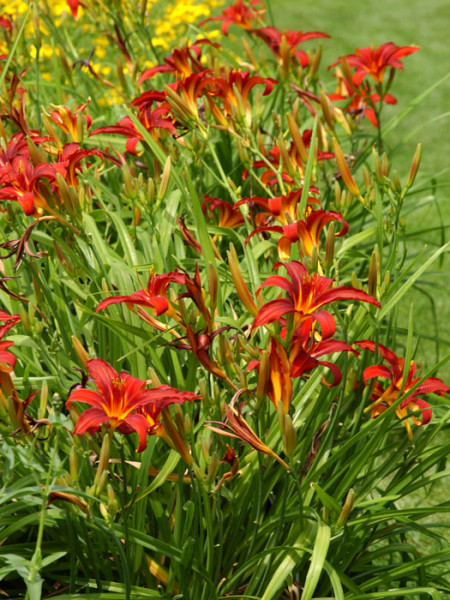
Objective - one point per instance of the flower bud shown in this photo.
(346, 510)
(385, 165)
(297, 138)
(240, 285)
(103, 461)
(73, 464)
(83, 356)
(213, 466)
(374, 272)
(43, 400)
(165, 178)
(329, 246)
(368, 183)
(315, 61)
(345, 171)
(326, 109)
(414, 167)
(101, 483)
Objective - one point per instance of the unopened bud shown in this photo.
(376, 162)
(315, 61)
(176, 439)
(414, 167)
(297, 138)
(263, 376)
(396, 183)
(83, 356)
(329, 246)
(156, 381)
(385, 165)
(355, 281)
(345, 171)
(239, 283)
(187, 426)
(165, 178)
(101, 483)
(213, 466)
(103, 461)
(346, 510)
(367, 179)
(374, 272)
(73, 464)
(43, 400)
(326, 109)
(179, 419)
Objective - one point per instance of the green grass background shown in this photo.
(356, 23)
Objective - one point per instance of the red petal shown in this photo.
(91, 420)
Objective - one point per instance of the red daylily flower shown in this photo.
(306, 349)
(123, 402)
(67, 120)
(361, 101)
(374, 61)
(400, 379)
(229, 214)
(284, 43)
(306, 295)
(282, 208)
(154, 297)
(240, 14)
(307, 231)
(182, 62)
(23, 182)
(234, 89)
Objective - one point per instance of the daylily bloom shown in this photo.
(306, 349)
(307, 294)
(401, 380)
(361, 101)
(240, 14)
(68, 120)
(282, 208)
(229, 214)
(284, 43)
(307, 231)
(69, 159)
(374, 61)
(23, 182)
(154, 297)
(182, 62)
(122, 402)
(234, 89)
